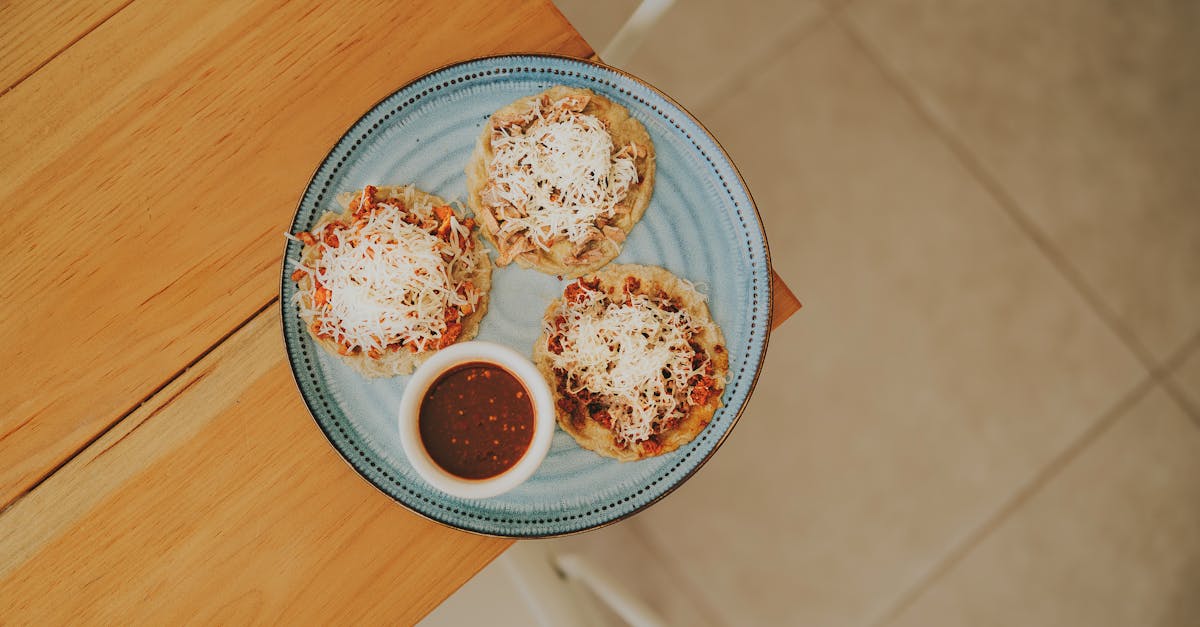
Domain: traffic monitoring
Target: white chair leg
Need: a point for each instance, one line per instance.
(625, 604)
(568, 590)
(550, 597)
(633, 32)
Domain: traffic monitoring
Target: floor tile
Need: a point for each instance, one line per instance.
(597, 21)
(938, 364)
(621, 552)
(700, 47)
(493, 597)
(1087, 114)
(489, 598)
(1112, 540)
(1186, 378)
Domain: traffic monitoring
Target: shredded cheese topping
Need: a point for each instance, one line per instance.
(390, 281)
(560, 174)
(633, 356)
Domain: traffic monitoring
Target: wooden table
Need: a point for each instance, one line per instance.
(156, 460)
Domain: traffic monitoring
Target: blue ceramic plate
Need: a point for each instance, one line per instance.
(701, 225)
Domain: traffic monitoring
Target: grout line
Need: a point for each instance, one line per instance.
(1172, 363)
(1007, 203)
(1023, 495)
(58, 52)
(1159, 371)
(171, 378)
(1182, 400)
(668, 563)
(1155, 373)
(1176, 359)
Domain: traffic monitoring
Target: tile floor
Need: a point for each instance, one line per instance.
(988, 412)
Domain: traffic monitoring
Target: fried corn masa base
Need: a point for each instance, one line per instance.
(403, 361)
(595, 437)
(624, 130)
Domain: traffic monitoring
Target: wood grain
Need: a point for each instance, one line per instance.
(785, 303)
(157, 162)
(34, 32)
(156, 152)
(220, 501)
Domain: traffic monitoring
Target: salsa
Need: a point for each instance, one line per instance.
(476, 420)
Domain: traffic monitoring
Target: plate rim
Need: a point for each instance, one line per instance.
(770, 290)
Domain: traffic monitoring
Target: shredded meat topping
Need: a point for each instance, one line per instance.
(526, 213)
(584, 405)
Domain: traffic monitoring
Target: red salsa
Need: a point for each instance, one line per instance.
(476, 420)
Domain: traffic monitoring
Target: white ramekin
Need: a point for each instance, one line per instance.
(543, 418)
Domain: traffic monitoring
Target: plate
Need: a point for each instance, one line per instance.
(701, 225)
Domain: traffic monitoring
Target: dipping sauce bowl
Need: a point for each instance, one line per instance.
(476, 419)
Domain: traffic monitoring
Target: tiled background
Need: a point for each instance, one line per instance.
(988, 411)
